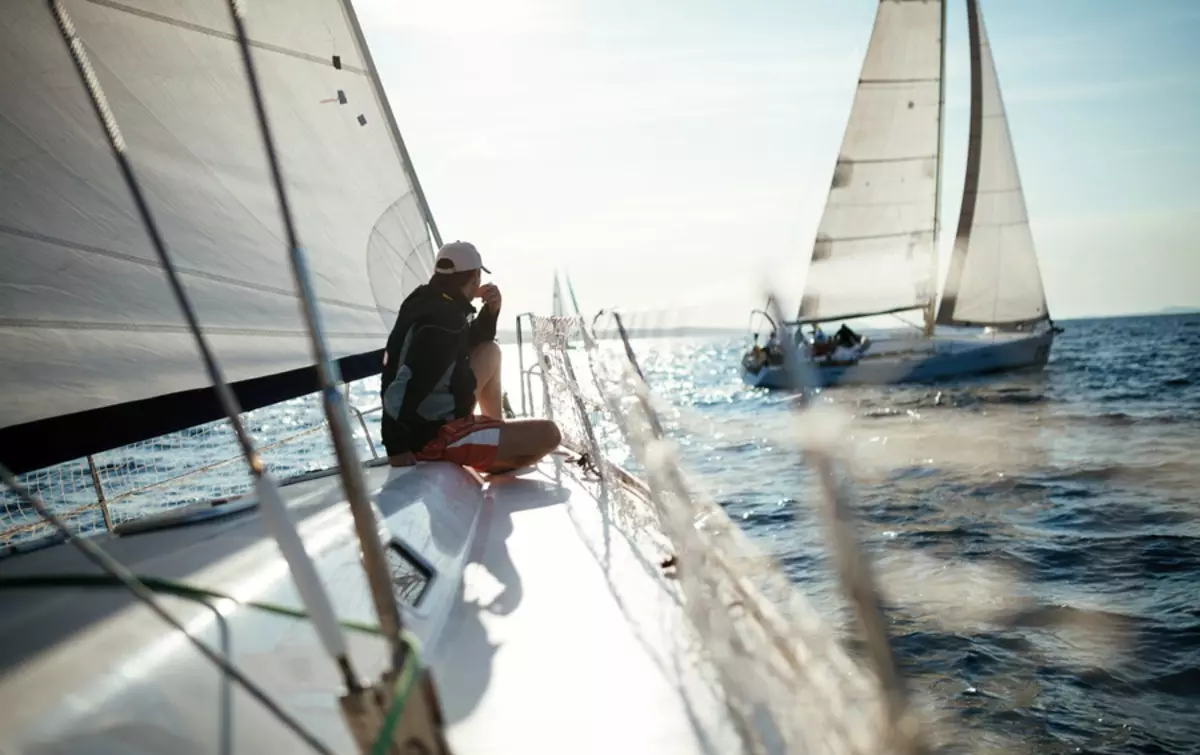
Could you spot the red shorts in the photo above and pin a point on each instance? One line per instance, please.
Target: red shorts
(471, 441)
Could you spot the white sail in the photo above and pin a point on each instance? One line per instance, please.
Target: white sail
(557, 309)
(875, 244)
(994, 277)
(86, 317)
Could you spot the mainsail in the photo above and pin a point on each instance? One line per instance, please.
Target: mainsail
(96, 353)
(994, 277)
(874, 249)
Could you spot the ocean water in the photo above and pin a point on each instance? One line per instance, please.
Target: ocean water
(1070, 494)
(1066, 498)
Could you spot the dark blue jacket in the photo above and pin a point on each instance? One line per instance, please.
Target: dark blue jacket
(427, 379)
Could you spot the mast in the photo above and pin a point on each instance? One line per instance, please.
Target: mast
(931, 307)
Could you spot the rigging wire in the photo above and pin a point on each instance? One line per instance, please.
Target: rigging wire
(275, 515)
(328, 376)
(117, 570)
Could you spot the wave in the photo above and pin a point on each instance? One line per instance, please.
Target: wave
(1148, 472)
(948, 399)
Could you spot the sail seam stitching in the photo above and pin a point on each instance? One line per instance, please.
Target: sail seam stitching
(863, 81)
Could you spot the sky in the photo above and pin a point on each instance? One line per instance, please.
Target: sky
(675, 155)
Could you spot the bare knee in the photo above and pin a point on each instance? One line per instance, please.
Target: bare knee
(526, 441)
(486, 354)
(543, 436)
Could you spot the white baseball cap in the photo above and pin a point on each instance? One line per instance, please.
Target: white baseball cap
(459, 257)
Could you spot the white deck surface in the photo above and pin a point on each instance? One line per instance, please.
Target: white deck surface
(574, 649)
(560, 636)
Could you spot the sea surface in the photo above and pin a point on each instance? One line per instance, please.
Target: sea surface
(1036, 536)
(1070, 494)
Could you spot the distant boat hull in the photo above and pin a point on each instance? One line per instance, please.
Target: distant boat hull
(942, 358)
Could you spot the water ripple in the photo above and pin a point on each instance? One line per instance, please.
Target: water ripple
(1078, 483)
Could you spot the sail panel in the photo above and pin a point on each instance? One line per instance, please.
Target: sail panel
(994, 277)
(87, 321)
(882, 267)
(880, 212)
(875, 200)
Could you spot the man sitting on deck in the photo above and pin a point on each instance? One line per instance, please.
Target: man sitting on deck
(437, 366)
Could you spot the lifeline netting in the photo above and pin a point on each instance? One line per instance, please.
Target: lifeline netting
(788, 683)
(202, 463)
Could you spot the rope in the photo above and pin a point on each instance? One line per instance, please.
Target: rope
(400, 692)
(353, 481)
(275, 515)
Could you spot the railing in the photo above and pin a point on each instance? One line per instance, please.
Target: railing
(541, 370)
(103, 490)
(534, 370)
(362, 421)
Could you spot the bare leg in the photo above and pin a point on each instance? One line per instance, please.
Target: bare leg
(523, 442)
(485, 363)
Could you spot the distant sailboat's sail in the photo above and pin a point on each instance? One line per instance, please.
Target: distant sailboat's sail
(556, 307)
(96, 353)
(994, 277)
(875, 244)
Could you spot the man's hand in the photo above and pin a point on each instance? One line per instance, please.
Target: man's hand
(490, 294)
(405, 459)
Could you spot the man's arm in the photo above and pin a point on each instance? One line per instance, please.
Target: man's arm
(431, 351)
(483, 328)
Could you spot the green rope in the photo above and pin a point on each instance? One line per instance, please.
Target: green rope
(168, 587)
(400, 693)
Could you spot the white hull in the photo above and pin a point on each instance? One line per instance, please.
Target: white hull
(944, 357)
(549, 628)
